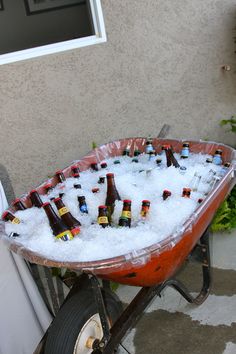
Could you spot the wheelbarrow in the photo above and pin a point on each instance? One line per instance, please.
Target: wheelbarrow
(91, 320)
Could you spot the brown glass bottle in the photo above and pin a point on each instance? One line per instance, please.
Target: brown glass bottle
(103, 216)
(94, 166)
(82, 204)
(103, 165)
(186, 192)
(75, 171)
(35, 199)
(66, 216)
(170, 159)
(48, 187)
(166, 193)
(166, 148)
(60, 177)
(145, 209)
(125, 218)
(59, 229)
(18, 205)
(112, 194)
(8, 216)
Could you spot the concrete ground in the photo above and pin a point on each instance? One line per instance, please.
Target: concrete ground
(170, 325)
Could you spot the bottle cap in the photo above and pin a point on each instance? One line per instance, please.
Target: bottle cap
(77, 186)
(102, 207)
(48, 185)
(57, 199)
(46, 203)
(103, 164)
(95, 190)
(58, 172)
(74, 167)
(167, 191)
(127, 201)
(145, 201)
(16, 201)
(33, 191)
(166, 146)
(110, 175)
(116, 162)
(186, 189)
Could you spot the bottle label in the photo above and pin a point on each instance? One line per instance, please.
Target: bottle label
(102, 220)
(144, 211)
(15, 221)
(75, 231)
(126, 214)
(185, 152)
(63, 211)
(65, 236)
(83, 208)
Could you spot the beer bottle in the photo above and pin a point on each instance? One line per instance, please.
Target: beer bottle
(149, 146)
(126, 152)
(173, 159)
(77, 186)
(158, 161)
(60, 195)
(186, 192)
(166, 193)
(18, 205)
(116, 162)
(135, 160)
(59, 229)
(151, 155)
(194, 183)
(35, 199)
(102, 216)
(69, 220)
(95, 190)
(217, 158)
(48, 187)
(60, 177)
(125, 218)
(200, 200)
(137, 152)
(101, 180)
(185, 151)
(224, 169)
(145, 209)
(103, 165)
(75, 171)
(166, 148)
(94, 166)
(112, 194)
(8, 216)
(82, 204)
(209, 160)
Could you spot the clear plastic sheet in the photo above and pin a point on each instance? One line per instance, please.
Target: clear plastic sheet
(195, 224)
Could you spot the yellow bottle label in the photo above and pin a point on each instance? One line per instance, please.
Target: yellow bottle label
(15, 221)
(63, 211)
(102, 220)
(126, 214)
(65, 236)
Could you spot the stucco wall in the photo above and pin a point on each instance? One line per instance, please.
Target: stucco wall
(161, 63)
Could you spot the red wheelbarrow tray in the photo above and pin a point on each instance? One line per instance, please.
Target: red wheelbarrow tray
(154, 264)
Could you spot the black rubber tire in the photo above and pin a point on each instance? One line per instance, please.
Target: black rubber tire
(69, 321)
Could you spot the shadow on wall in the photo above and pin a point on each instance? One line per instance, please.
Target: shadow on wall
(6, 183)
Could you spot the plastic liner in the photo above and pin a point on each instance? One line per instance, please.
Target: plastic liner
(153, 264)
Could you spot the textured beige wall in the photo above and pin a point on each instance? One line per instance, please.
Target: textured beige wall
(161, 63)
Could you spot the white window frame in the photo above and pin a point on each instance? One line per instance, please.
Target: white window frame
(99, 37)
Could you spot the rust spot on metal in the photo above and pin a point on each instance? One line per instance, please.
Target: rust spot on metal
(131, 275)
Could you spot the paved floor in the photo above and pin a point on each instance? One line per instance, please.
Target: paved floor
(172, 326)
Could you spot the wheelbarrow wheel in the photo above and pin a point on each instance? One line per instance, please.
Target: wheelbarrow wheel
(78, 324)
